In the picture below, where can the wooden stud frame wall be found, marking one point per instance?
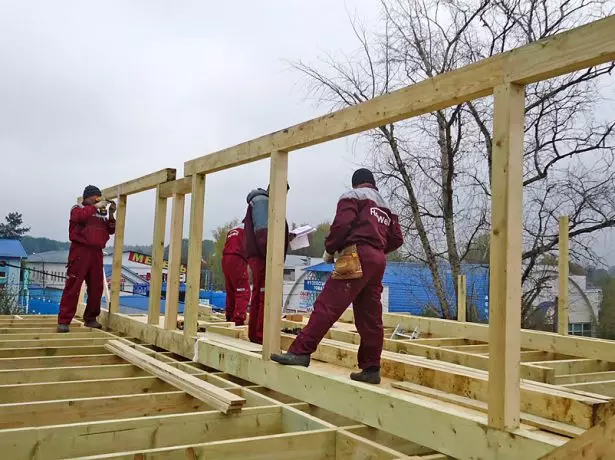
(505, 76)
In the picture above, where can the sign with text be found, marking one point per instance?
(144, 259)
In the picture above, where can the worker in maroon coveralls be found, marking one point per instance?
(363, 218)
(255, 244)
(235, 269)
(88, 230)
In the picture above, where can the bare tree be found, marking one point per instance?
(436, 168)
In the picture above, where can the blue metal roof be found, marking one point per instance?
(13, 249)
(411, 288)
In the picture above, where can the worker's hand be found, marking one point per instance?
(100, 204)
(328, 258)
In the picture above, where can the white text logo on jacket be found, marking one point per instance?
(231, 234)
(381, 216)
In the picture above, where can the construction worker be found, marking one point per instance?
(237, 282)
(255, 244)
(88, 230)
(364, 230)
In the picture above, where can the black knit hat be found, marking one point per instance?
(91, 190)
(363, 176)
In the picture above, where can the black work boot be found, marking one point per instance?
(290, 359)
(93, 324)
(369, 375)
(62, 328)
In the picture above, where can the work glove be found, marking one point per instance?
(328, 258)
(100, 205)
(113, 207)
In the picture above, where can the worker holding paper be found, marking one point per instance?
(255, 244)
(363, 232)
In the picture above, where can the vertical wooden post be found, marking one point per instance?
(118, 249)
(81, 301)
(274, 277)
(461, 298)
(175, 255)
(155, 284)
(505, 259)
(562, 298)
(195, 254)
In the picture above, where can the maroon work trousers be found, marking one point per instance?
(237, 282)
(364, 294)
(84, 264)
(257, 303)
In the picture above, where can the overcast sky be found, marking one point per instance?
(105, 91)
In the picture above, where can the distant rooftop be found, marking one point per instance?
(13, 249)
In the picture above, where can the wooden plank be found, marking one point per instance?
(79, 410)
(467, 435)
(505, 256)
(394, 442)
(462, 286)
(52, 351)
(78, 440)
(350, 445)
(606, 387)
(576, 49)
(140, 184)
(66, 374)
(195, 254)
(160, 222)
(181, 186)
(274, 278)
(58, 361)
(562, 298)
(543, 400)
(45, 343)
(577, 366)
(50, 391)
(85, 333)
(175, 254)
(585, 377)
(595, 444)
(529, 419)
(118, 249)
(312, 445)
(210, 394)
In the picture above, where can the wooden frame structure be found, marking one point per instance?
(544, 389)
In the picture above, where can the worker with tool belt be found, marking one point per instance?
(364, 231)
(255, 244)
(89, 229)
(237, 281)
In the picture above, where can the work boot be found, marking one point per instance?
(62, 328)
(93, 324)
(290, 359)
(370, 375)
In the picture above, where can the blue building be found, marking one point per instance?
(12, 253)
(411, 288)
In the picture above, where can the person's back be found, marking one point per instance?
(255, 247)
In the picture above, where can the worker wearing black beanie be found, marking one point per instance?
(362, 176)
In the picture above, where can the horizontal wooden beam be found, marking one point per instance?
(140, 184)
(181, 186)
(52, 351)
(66, 374)
(50, 391)
(86, 439)
(543, 400)
(606, 388)
(467, 436)
(313, 445)
(46, 343)
(585, 377)
(51, 335)
(576, 49)
(59, 361)
(100, 408)
(577, 366)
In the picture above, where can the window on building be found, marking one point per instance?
(2, 274)
(582, 329)
(289, 274)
